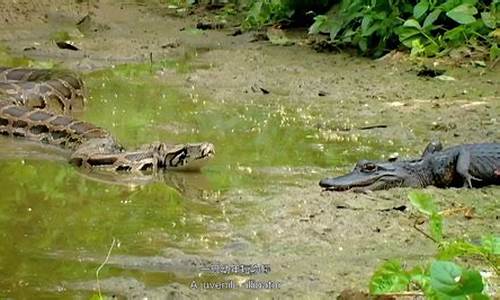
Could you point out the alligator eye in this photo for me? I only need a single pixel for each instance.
(369, 167)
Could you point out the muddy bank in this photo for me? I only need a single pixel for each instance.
(265, 209)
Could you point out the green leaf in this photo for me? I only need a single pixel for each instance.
(407, 35)
(420, 276)
(372, 29)
(390, 277)
(455, 36)
(432, 17)
(436, 226)
(423, 202)
(319, 24)
(334, 30)
(96, 297)
(365, 23)
(494, 52)
(449, 279)
(432, 49)
(463, 14)
(471, 282)
(420, 9)
(489, 20)
(491, 244)
(444, 276)
(265, 12)
(451, 4)
(495, 34)
(412, 23)
(457, 248)
(417, 48)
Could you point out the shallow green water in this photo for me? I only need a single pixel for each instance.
(48, 208)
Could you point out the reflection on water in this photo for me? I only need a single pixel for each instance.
(49, 207)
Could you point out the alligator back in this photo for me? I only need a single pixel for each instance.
(482, 161)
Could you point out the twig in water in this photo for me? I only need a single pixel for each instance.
(102, 265)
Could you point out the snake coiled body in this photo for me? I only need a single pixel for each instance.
(35, 104)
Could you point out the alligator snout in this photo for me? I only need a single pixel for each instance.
(333, 184)
(326, 183)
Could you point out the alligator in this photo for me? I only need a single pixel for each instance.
(466, 165)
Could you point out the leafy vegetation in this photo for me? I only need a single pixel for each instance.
(427, 27)
(442, 278)
(266, 12)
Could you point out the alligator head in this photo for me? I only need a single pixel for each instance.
(374, 175)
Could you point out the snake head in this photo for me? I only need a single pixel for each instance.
(186, 157)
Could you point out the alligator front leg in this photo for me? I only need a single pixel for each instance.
(462, 167)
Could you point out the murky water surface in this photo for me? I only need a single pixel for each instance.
(49, 208)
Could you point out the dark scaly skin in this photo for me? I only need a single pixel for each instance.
(34, 105)
(471, 165)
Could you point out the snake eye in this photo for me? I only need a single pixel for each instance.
(369, 167)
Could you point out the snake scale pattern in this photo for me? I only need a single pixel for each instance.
(36, 104)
